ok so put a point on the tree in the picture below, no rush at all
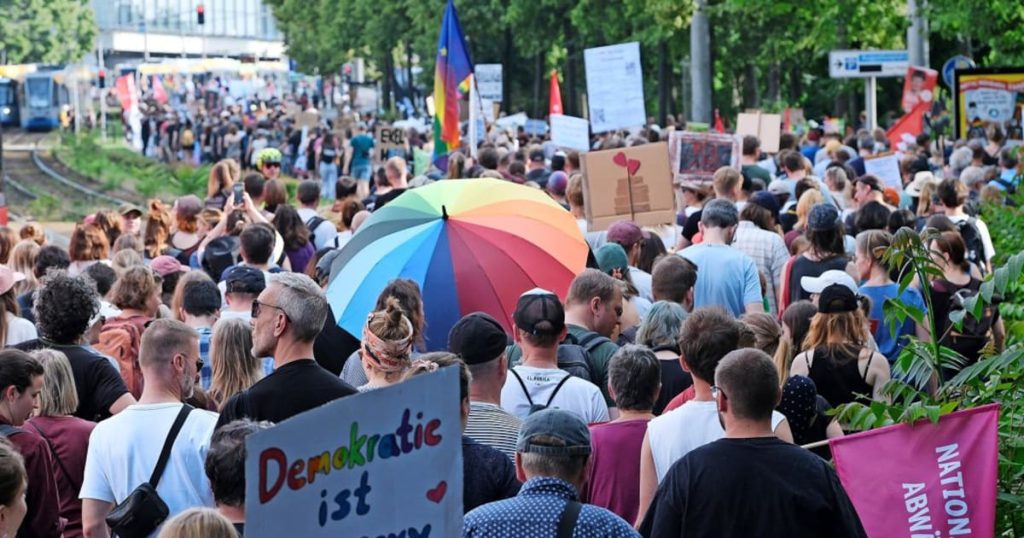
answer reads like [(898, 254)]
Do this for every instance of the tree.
[(46, 31)]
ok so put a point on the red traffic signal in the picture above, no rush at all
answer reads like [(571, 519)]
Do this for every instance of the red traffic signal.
[(103, 78), (201, 14)]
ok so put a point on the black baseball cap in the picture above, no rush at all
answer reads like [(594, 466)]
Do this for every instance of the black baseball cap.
[(872, 181), (477, 338), (539, 312), (244, 279), (837, 299)]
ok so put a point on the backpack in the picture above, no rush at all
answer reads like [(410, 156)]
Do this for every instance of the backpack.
[(188, 138), (313, 223), (120, 338), (1009, 186), (574, 354), (975, 252), (534, 407), (978, 329)]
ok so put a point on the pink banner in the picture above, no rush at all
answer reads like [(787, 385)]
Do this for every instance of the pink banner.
[(926, 480), (159, 93), (126, 92)]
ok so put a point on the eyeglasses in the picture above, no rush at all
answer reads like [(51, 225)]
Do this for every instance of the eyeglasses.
[(257, 307), (199, 361), (715, 391), (278, 165)]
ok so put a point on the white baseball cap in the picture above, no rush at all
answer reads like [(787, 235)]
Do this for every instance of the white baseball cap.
[(815, 284)]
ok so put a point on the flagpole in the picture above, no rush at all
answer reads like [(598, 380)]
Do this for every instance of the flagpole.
[(474, 110)]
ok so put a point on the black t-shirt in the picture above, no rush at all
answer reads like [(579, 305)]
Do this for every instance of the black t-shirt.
[(674, 380), (97, 382), (293, 388), (751, 487), (383, 199), (802, 266), (691, 228), (333, 345)]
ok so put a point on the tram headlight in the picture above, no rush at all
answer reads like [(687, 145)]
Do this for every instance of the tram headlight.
[(7, 110)]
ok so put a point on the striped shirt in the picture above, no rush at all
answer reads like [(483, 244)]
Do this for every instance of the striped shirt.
[(491, 425)]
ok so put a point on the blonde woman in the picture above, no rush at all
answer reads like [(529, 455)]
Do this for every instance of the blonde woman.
[(13, 328), (234, 367), (808, 200), (66, 435), (195, 522), (222, 178), (23, 260)]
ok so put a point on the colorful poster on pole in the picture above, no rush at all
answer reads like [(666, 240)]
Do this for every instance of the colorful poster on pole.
[(632, 183), (615, 87), (987, 97), (387, 462), (924, 480), (919, 88), (696, 156), (570, 132)]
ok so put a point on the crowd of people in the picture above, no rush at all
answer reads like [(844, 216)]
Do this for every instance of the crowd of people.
[(667, 394)]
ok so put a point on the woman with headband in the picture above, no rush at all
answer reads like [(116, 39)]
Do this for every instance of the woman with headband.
[(386, 348)]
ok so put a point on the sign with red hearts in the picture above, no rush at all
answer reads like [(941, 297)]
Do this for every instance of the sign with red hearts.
[(632, 183), (387, 462)]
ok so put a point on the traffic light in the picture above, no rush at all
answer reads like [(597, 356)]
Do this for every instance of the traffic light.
[(103, 78), (201, 14)]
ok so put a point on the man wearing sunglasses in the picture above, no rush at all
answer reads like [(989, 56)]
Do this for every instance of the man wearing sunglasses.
[(268, 162), (287, 316)]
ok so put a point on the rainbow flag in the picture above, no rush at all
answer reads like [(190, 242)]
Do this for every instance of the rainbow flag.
[(453, 68)]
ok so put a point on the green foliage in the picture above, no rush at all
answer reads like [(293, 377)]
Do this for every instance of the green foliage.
[(46, 31), (917, 389)]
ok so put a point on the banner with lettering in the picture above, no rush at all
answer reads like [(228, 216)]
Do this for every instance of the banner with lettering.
[(924, 480), (386, 462)]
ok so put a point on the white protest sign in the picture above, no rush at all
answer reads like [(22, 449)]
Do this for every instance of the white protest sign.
[(887, 168), (387, 462), (615, 88), (488, 81), (570, 132), (515, 120)]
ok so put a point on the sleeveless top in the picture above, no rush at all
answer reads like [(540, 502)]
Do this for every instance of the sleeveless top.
[(838, 378), (802, 267)]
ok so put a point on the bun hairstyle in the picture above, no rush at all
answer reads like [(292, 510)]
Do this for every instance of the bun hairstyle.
[(391, 323), (388, 338)]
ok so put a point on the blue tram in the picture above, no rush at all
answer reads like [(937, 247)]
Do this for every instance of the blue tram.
[(8, 102), (40, 97)]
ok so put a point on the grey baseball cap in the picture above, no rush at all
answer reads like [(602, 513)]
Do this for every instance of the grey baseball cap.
[(562, 425)]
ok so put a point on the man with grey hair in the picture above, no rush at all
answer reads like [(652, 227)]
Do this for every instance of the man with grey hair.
[(170, 363), (551, 460), (750, 479), (726, 277), (286, 319)]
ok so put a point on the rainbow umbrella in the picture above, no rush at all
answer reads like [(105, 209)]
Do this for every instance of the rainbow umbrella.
[(472, 245)]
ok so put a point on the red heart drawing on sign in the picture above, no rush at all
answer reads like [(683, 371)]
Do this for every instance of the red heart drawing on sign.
[(620, 159), (437, 493), (633, 165)]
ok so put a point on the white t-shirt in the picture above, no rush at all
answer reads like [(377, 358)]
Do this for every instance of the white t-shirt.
[(642, 281), (19, 330), (576, 395), (693, 425), (986, 238), (324, 233), (124, 448)]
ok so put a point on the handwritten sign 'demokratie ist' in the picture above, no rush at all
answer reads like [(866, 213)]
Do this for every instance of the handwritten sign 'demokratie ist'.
[(383, 463)]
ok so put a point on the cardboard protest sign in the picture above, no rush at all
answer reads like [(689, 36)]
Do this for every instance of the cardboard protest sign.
[(389, 138), (696, 156), (570, 132), (307, 119), (615, 88), (766, 127), (630, 183), (887, 168), (387, 462), (924, 479), (488, 81)]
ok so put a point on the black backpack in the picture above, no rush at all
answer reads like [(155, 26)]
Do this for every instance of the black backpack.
[(980, 328), (574, 354), (312, 224), (975, 252)]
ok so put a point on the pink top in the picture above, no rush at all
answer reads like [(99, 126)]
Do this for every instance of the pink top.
[(69, 438), (613, 480)]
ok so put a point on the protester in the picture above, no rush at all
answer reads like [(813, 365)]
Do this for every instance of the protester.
[(537, 382), (630, 237), (65, 307), (21, 381), (297, 244), (198, 522), (233, 367), (13, 329), (796, 321), (386, 346), (50, 257), (707, 335), (88, 245), (157, 231), (952, 194), (827, 252), (726, 276), (286, 318), (660, 332), (225, 468), (242, 285), (480, 340), (322, 231), (131, 220), (23, 258), (66, 436), (407, 292), (137, 294), (757, 237), (710, 492), (673, 280), (488, 475), (200, 309), (170, 366), (13, 488), (551, 458), (222, 178), (879, 287), (634, 378), (611, 259)]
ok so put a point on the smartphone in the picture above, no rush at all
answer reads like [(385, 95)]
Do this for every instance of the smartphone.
[(239, 189)]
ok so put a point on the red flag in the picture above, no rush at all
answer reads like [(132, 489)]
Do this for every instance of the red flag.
[(924, 479), (126, 93), (159, 93), (719, 124), (555, 105), (911, 124)]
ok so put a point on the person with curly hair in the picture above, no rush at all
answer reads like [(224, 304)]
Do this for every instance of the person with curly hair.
[(67, 307)]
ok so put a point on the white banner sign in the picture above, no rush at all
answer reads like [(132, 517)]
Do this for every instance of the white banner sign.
[(615, 88), (570, 132), (387, 462), (488, 81)]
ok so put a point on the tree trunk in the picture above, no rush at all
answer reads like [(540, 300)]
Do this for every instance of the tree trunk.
[(773, 82), (506, 70), (664, 82), (408, 73), (796, 87), (750, 93), (388, 87), (569, 98), (537, 77)]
